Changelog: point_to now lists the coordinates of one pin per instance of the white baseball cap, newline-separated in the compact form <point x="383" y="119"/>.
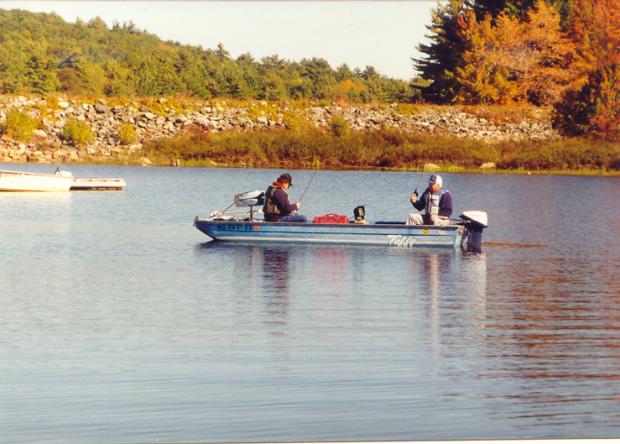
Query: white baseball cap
<point x="435" y="178"/>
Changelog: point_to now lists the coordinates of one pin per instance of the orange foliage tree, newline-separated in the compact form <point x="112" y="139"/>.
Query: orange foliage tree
<point x="594" y="107"/>
<point x="508" y="60"/>
<point x="349" y="90"/>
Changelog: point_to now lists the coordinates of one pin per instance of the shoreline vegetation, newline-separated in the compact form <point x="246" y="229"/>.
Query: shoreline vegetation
<point x="389" y="150"/>
<point x="296" y="135"/>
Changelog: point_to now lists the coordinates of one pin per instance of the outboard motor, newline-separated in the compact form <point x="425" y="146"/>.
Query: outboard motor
<point x="359" y="213"/>
<point x="475" y="222"/>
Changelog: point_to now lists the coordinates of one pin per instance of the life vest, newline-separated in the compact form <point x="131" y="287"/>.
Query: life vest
<point x="271" y="205"/>
<point x="432" y="202"/>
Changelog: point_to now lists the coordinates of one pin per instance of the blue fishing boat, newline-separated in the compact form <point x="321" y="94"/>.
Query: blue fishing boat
<point x="248" y="227"/>
<point x="388" y="234"/>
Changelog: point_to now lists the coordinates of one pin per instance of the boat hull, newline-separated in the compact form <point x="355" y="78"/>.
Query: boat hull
<point x="19" y="181"/>
<point x="388" y="235"/>
<point x="63" y="181"/>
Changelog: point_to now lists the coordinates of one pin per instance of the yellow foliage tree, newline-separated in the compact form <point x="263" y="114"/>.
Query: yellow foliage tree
<point x="349" y="90"/>
<point x="595" y="28"/>
<point x="507" y="60"/>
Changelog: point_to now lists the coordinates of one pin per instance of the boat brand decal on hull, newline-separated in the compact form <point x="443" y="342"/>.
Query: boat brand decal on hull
<point x="401" y="241"/>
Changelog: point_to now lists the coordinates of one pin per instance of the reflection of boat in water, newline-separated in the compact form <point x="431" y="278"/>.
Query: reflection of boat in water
<point x="60" y="181"/>
<point x="244" y="227"/>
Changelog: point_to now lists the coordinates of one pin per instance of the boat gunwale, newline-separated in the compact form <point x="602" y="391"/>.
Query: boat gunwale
<point x="451" y="227"/>
<point x="28" y="173"/>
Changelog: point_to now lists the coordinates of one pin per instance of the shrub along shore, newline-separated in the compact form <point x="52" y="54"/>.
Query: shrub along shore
<point x="183" y="132"/>
<point x="382" y="149"/>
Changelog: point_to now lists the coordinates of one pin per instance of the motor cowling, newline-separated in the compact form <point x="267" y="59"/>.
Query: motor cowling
<point x="475" y="222"/>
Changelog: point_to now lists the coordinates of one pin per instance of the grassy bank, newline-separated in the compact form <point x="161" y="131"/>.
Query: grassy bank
<point x="383" y="149"/>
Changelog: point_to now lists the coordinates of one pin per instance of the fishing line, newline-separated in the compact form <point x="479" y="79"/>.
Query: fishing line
<point x="308" y="186"/>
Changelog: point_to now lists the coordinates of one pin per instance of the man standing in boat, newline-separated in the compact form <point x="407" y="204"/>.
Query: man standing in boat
<point x="277" y="207"/>
<point x="436" y="202"/>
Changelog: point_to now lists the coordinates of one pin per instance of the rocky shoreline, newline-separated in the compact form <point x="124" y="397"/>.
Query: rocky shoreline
<point x="165" y="118"/>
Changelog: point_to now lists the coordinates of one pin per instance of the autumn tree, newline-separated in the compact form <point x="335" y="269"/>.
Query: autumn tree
<point x="548" y="54"/>
<point x="349" y="90"/>
<point x="443" y="54"/>
<point x="482" y="75"/>
<point x="508" y="60"/>
<point x="594" y="107"/>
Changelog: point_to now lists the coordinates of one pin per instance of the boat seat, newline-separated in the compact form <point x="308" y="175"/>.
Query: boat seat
<point x="389" y="222"/>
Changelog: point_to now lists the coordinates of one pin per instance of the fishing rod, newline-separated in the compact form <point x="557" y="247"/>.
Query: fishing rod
<point x="308" y="186"/>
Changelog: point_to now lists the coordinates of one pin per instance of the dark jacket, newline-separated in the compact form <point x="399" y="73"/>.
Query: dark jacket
<point x="277" y="204"/>
<point x="445" y="203"/>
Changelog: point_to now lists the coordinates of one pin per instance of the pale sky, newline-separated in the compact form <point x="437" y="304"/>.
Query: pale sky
<point x="384" y="34"/>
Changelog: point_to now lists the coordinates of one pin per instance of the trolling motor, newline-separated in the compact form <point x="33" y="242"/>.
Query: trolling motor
<point x="474" y="222"/>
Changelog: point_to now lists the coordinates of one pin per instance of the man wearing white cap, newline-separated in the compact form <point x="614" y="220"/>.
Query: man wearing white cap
<point x="435" y="201"/>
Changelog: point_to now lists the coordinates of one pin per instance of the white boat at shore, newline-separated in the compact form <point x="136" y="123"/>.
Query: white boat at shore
<point x="27" y="181"/>
<point x="60" y="181"/>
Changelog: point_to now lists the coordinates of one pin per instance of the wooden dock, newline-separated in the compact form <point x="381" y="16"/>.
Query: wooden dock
<point x="97" y="184"/>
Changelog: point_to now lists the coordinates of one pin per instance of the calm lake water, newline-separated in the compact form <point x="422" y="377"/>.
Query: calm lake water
<point x="120" y="323"/>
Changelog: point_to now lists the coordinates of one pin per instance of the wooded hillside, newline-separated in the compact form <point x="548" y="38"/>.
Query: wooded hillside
<point x="41" y="53"/>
